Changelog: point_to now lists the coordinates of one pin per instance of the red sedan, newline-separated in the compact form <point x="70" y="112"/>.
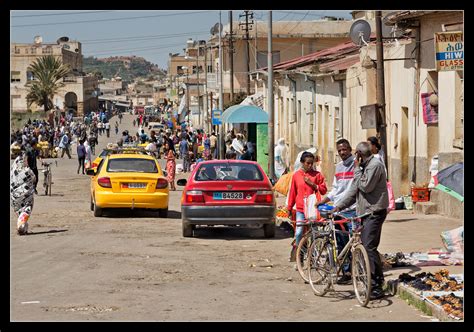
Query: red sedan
<point x="230" y="193"/>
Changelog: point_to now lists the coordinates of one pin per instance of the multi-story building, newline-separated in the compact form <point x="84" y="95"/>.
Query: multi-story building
<point x="79" y="93"/>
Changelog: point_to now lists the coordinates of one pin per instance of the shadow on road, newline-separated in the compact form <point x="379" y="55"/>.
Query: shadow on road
<point x="46" y="232"/>
<point x="237" y="233"/>
<point x="401" y="220"/>
<point x="138" y="213"/>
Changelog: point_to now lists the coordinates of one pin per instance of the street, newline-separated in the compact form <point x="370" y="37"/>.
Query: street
<point x="134" y="266"/>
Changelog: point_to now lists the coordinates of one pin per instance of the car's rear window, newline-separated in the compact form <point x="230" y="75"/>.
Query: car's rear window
<point x="132" y="165"/>
<point x="228" y="171"/>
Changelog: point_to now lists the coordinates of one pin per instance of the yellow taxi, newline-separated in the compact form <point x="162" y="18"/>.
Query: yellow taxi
<point x="128" y="180"/>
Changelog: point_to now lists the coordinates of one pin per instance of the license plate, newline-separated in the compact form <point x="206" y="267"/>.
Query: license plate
<point x="228" y="195"/>
<point x="134" y="185"/>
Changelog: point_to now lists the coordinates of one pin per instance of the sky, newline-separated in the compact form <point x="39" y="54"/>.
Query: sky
<point x="150" y="34"/>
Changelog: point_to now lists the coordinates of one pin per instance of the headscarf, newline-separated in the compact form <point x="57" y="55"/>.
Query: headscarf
<point x="281" y="161"/>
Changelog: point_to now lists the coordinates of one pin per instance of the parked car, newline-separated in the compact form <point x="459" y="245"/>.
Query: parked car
<point x="156" y="126"/>
<point x="230" y="193"/>
<point x="128" y="179"/>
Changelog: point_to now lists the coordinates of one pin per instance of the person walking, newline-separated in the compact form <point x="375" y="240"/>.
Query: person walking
<point x="170" y="164"/>
<point x="184" y="153"/>
<point x="305" y="181"/>
<point x="81" y="156"/>
<point x="281" y="158"/>
<point x="213" y="141"/>
<point x="32" y="154"/>
<point x="107" y="128"/>
<point x="369" y="191"/>
<point x="88" y="157"/>
<point x="238" y="145"/>
<point x="64" y="145"/>
<point x="344" y="174"/>
<point x="116" y="128"/>
<point x="92" y="142"/>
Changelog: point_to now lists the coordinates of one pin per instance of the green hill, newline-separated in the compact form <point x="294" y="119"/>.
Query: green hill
<point x="127" y="67"/>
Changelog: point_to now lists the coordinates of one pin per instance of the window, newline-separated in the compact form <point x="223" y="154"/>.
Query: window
<point x="225" y="172"/>
<point x="262" y="58"/>
<point x="17" y="50"/>
<point x="132" y="165"/>
<point x="47" y="50"/>
<point x="337" y="124"/>
<point x="15" y="76"/>
<point x="209" y="68"/>
<point x="29" y="76"/>
<point x="33" y="50"/>
<point x="298" y="119"/>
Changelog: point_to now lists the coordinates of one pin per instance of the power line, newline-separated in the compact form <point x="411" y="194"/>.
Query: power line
<point x="74" y="13"/>
<point x="141" y="39"/>
<point x="108" y="19"/>
<point x="84" y="41"/>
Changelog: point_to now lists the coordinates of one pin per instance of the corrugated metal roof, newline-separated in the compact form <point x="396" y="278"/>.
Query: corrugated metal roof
<point x="332" y="52"/>
<point x="339" y="64"/>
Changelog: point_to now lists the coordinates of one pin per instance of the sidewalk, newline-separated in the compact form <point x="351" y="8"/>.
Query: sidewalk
<point x="404" y="231"/>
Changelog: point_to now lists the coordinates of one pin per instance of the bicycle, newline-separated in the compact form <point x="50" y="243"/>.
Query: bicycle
<point x="325" y="266"/>
<point x="48" y="178"/>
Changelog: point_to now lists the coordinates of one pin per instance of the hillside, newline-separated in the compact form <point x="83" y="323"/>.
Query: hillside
<point x="127" y="67"/>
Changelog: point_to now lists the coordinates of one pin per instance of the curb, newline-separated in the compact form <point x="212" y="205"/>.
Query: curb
<point x="393" y="287"/>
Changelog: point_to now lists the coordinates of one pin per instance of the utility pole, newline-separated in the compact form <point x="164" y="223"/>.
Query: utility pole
<point x="221" y="96"/>
<point x="248" y="14"/>
<point x="198" y="97"/>
<point x="271" y="116"/>
<point x="231" y="58"/>
<point x="382" y="128"/>
<point x="206" y="106"/>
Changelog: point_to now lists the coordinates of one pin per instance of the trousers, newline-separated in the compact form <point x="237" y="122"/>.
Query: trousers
<point x="370" y="237"/>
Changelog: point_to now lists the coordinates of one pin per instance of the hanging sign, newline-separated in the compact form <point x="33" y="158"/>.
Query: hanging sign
<point x="216" y="117"/>
<point x="449" y="50"/>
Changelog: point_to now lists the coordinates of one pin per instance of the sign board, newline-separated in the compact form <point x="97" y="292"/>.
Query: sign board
<point x="449" y="50"/>
<point x="369" y="115"/>
<point x="216" y="117"/>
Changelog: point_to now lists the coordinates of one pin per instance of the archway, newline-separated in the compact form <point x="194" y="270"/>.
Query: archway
<point x="70" y="101"/>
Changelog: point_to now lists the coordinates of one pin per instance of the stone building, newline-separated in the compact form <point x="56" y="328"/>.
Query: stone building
<point x="79" y="93"/>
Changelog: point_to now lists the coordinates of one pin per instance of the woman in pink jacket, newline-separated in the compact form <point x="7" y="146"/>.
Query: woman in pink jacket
<point x="305" y="181"/>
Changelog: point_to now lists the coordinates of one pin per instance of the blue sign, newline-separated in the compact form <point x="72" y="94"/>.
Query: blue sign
<point x="216" y="117"/>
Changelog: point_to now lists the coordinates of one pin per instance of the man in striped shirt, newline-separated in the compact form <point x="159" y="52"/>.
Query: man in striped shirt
<point x="342" y="180"/>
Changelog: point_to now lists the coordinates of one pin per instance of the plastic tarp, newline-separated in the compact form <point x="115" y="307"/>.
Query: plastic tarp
<point x="451" y="180"/>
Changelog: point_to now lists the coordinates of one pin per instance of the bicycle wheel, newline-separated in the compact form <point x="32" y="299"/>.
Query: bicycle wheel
<point x="361" y="277"/>
<point x="302" y="255"/>
<point x="320" y="266"/>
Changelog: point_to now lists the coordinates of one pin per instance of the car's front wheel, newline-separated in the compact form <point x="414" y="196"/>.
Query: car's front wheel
<point x="269" y="230"/>
<point x="187" y="230"/>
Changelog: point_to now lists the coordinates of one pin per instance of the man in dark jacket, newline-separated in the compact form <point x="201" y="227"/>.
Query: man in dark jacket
<point x="32" y="154"/>
<point x="369" y="191"/>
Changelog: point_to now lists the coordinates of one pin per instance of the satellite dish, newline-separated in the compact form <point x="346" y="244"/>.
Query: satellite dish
<point x="76" y="50"/>
<point x="38" y="39"/>
<point x="360" y="32"/>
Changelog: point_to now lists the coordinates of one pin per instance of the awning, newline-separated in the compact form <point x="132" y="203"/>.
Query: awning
<point x="122" y="104"/>
<point x="244" y="114"/>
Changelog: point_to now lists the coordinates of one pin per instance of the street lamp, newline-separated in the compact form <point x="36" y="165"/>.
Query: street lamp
<point x="197" y="72"/>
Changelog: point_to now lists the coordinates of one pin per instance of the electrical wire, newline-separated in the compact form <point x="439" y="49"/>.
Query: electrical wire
<point x="140" y="38"/>
<point x="108" y="19"/>
<point x="55" y="14"/>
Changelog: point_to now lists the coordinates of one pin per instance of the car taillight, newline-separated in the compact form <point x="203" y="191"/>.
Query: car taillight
<point x="104" y="182"/>
<point x="194" y="196"/>
<point x="161" y="184"/>
<point x="265" y="196"/>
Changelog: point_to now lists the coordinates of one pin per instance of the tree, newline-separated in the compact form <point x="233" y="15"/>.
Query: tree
<point x="48" y="73"/>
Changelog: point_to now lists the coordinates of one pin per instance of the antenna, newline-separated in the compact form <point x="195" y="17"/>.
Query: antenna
<point x="360" y="32"/>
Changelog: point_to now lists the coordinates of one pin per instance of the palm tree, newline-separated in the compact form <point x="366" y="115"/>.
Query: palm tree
<point x="48" y="73"/>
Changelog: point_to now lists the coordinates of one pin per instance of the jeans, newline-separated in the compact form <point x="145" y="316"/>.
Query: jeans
<point x="342" y="239"/>
<point x="299" y="229"/>
<point x="81" y="164"/>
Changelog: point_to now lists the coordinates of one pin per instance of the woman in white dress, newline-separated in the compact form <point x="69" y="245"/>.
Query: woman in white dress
<point x="281" y="158"/>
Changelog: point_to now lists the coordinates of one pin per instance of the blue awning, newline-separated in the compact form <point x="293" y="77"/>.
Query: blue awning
<point x="244" y="114"/>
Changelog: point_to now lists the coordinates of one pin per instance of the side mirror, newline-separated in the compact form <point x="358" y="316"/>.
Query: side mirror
<point x="272" y="181"/>
<point x="91" y="171"/>
<point x="165" y="173"/>
<point x="181" y="182"/>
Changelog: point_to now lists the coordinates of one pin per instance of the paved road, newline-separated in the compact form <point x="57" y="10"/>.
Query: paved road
<point x="134" y="266"/>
